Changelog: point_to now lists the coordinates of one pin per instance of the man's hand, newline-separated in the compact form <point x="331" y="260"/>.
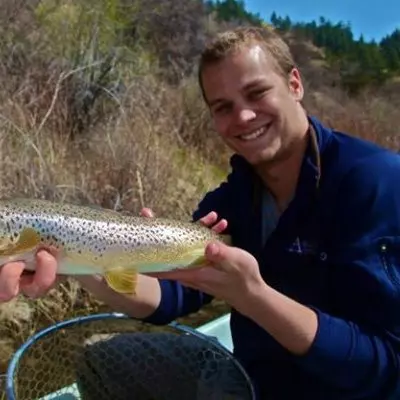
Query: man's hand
<point x="230" y="274"/>
<point x="14" y="280"/>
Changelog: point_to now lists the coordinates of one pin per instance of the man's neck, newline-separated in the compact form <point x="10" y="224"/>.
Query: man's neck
<point x="281" y="177"/>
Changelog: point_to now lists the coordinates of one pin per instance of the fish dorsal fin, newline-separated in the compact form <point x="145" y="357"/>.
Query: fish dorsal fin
<point x="122" y="280"/>
<point x="27" y="240"/>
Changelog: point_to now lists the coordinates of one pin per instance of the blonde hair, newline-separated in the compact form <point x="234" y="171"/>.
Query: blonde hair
<point x="231" y="41"/>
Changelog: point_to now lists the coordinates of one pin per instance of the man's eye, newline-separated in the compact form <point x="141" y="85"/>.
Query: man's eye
<point x="255" y="94"/>
<point x="222" y="108"/>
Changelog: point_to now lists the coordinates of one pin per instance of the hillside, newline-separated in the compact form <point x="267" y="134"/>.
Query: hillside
<point x="99" y="104"/>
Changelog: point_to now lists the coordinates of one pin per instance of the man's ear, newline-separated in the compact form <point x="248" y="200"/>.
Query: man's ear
<point x="296" y="84"/>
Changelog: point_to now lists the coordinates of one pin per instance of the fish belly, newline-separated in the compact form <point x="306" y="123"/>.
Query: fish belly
<point x="159" y="267"/>
<point x="67" y="268"/>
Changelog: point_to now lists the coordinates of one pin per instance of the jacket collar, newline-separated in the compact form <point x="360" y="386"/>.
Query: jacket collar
<point x="300" y="210"/>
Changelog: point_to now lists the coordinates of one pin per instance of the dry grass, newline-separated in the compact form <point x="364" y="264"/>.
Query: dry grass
<point x="96" y="128"/>
<point x="369" y="116"/>
<point x="140" y="142"/>
<point x="135" y="157"/>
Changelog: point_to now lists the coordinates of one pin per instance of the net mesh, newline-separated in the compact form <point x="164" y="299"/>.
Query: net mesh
<point x="108" y="358"/>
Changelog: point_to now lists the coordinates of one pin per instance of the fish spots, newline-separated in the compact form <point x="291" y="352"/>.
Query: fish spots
<point x="92" y="235"/>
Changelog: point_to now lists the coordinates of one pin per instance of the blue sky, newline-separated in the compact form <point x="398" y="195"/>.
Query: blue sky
<point x="374" y="19"/>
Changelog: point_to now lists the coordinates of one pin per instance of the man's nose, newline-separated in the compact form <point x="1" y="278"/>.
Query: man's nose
<point x="245" y="115"/>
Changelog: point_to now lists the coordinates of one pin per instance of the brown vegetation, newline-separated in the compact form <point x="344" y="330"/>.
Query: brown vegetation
<point x="113" y="117"/>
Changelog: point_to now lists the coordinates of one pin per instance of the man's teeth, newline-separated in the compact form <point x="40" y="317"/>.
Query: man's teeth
<point x="253" y="135"/>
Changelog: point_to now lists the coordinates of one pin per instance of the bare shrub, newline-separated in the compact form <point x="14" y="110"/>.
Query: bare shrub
<point x="368" y="115"/>
<point x="135" y="159"/>
<point x="174" y="30"/>
<point x="128" y="87"/>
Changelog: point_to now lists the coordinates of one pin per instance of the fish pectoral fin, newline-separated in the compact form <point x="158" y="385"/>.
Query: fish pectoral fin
<point x="5" y="243"/>
<point x="27" y="240"/>
<point x="122" y="280"/>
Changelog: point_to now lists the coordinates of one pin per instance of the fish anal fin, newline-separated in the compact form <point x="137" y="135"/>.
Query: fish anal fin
<point x="122" y="280"/>
<point x="28" y="239"/>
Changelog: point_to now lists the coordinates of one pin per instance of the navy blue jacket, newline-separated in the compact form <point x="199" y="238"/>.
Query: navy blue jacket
<point x="336" y="249"/>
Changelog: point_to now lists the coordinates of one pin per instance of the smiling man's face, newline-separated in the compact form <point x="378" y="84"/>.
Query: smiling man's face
<point x="254" y="108"/>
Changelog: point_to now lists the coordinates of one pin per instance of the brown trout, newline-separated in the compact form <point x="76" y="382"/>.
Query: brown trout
<point x="100" y="241"/>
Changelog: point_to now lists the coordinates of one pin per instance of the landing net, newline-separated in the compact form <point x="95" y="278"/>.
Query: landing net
<point x="105" y="356"/>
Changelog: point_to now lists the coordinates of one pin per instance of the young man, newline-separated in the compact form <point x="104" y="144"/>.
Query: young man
<point x="313" y="273"/>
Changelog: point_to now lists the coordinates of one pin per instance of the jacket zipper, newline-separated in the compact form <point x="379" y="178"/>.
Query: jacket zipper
<point x="384" y="258"/>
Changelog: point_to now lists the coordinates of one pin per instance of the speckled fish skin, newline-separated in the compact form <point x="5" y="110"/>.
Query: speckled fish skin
<point x="93" y="241"/>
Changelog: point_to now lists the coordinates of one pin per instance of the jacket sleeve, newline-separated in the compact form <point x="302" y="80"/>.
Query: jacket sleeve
<point x="360" y="356"/>
<point x="176" y="299"/>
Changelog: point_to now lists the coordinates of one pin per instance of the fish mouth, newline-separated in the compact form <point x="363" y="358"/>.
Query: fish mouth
<point x="255" y="133"/>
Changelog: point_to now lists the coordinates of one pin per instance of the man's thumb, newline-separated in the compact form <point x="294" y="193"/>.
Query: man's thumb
<point x="217" y="252"/>
<point x="220" y="254"/>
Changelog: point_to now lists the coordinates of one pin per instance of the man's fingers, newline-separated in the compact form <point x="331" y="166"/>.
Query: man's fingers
<point x="224" y="257"/>
<point x="10" y="275"/>
<point x="220" y="255"/>
<point x="220" y="226"/>
<point x="147" y="212"/>
<point x="46" y="270"/>
<point x="26" y="279"/>
<point x="44" y="277"/>
<point x="210" y="219"/>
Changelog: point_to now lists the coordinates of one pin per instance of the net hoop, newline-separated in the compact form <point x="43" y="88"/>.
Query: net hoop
<point x="18" y="355"/>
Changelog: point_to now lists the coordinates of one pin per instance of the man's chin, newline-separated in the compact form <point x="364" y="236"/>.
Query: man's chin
<point x="261" y="158"/>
